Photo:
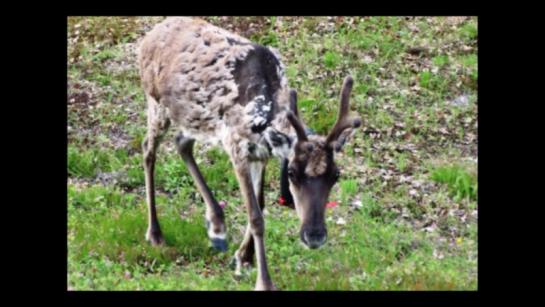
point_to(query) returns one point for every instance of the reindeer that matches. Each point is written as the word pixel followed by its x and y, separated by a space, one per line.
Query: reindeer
pixel 220 88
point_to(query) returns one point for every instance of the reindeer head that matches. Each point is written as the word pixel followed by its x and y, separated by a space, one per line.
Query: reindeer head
pixel 311 170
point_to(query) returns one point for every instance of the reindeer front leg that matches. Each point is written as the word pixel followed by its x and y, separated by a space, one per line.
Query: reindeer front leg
pixel 256 222
pixel 245 254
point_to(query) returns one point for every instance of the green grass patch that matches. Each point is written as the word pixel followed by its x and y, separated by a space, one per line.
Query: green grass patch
pixel 349 188
pixel 105 222
pixel 331 59
pixel 440 60
pixel 88 162
pixel 460 182
pixel 469 31
pixel 401 162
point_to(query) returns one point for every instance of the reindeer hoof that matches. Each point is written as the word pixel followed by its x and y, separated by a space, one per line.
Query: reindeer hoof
pixel 155 238
pixel 261 286
pixel 238 263
pixel 218 241
pixel 233 263
pixel 219 244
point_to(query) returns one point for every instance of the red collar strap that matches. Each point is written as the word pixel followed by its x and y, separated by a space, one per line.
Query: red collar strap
pixel 330 204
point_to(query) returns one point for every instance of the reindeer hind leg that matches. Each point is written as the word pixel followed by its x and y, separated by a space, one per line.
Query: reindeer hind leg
pixel 158 124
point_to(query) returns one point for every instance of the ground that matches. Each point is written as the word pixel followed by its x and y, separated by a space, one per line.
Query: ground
pixel 406 217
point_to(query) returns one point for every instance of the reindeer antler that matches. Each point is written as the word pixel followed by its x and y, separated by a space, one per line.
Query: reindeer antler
pixel 343 121
pixel 294 118
pixel 299 129
pixel 296 122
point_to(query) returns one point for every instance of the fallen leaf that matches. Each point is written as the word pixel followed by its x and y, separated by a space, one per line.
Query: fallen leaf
pixel 331 204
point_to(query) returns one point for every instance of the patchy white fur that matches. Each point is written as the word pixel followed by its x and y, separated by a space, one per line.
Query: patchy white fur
pixel 258 120
pixel 256 170
pixel 187 65
pixel 213 235
pixel 282 151
pixel 261 152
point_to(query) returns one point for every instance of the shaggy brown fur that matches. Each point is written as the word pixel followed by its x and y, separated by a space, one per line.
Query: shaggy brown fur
pixel 199 92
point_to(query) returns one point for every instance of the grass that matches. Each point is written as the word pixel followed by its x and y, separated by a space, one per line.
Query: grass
pixel 349 188
pixel 409 222
pixel 110 241
pixel 460 183
pixel 331 59
pixel 440 60
pixel 89 162
pixel 402 162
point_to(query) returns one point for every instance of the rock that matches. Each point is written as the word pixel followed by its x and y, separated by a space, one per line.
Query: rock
pixel 460 101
